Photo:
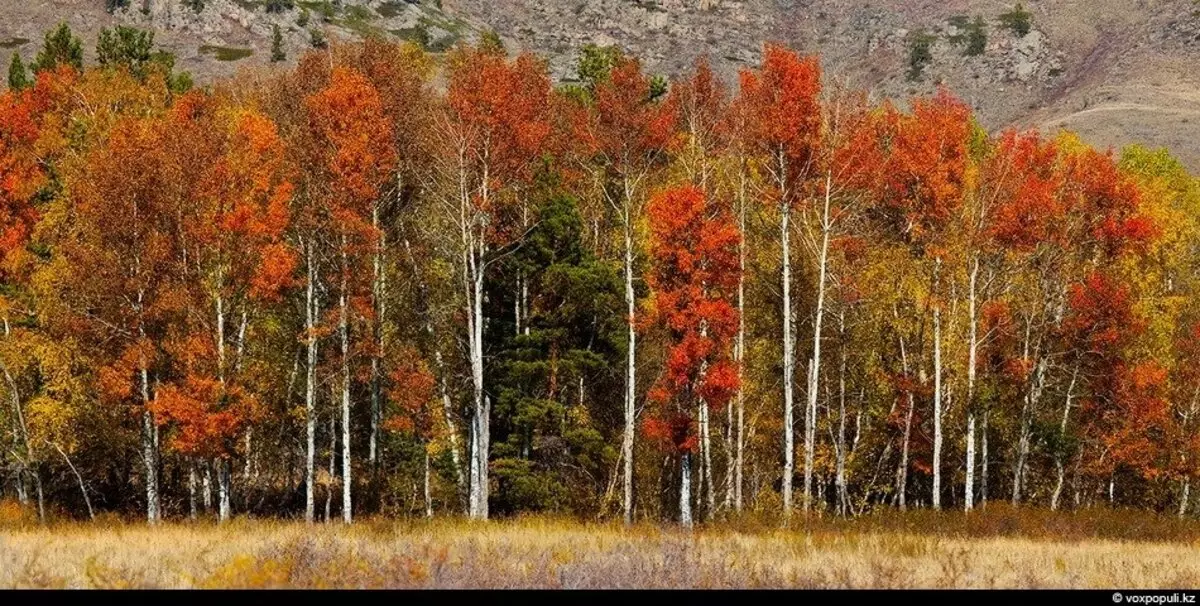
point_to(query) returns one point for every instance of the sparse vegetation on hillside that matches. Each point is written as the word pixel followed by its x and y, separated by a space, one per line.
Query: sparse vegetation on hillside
pixel 225 53
pixel 1018 21
pixel 920 53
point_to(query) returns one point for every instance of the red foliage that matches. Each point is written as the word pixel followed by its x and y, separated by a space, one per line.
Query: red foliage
pixel 695 264
pixel 625 128
pixel 410 393
pixel 781 110
pixel 1108 203
pixel 1025 197
pixel 924 173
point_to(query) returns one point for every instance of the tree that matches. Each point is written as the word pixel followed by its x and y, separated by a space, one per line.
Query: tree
pixel 60 47
pixel 783 122
pixel 923 186
pixel 347 118
pixel 702 104
pixel 18 78
pixel 623 136
pixel 693 244
pixel 493 127
pixel 233 235
pixel 277 53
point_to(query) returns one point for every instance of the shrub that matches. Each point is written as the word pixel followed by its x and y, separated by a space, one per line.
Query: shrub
pixel 976 38
pixel 317 37
pixel 1018 20
pixel 919 53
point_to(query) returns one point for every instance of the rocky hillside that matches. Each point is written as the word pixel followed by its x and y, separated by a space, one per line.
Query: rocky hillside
pixel 1115 70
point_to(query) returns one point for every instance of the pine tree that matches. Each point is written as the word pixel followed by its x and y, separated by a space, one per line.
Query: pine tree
pixel 60 47
pixel 277 53
pixel 18 78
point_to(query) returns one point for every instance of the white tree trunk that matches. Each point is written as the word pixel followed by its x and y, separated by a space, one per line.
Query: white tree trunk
pixel 685 490
pixel 972 349
pixel 710 500
pixel 310 396
pixel 983 459
pixel 843 494
pixel 814 374
pixel 344 328
pixel 192 490
pixel 480 420
pixel 223 488
pixel 428 495
pixel 149 452
pixel 789 363
pixel 937 395
pixel 630 377
pixel 740 351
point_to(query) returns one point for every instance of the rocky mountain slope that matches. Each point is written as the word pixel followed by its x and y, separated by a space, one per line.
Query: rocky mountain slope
pixel 1117 71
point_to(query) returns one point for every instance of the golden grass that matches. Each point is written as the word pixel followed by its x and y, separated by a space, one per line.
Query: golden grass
pixel 904 550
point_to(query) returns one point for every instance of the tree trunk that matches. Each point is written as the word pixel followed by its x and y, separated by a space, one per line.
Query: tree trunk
pixel 843 495
pixel 149 455
pixel 224 471
pixel 310 397
pixel 88 501
pixel 937 392
pixel 972 352
pixel 332 468
pixel 740 351
pixel 344 329
pixel 902 469
pixel 814 374
pixel 789 362
pixel 983 460
pixel 192 489
pixel 1062 432
pixel 480 421
pixel 378 294
pixel 206 487
pixel 428 495
pixel 685 490
pixel 630 377
pixel 710 500
pixel 1185 496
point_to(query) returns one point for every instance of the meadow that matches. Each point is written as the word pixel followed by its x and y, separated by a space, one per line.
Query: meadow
pixel 999 547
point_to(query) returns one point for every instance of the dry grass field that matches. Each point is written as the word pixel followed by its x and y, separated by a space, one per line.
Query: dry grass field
pixel 1002 548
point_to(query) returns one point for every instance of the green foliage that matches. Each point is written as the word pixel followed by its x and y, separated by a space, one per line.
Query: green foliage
pixel 317 38
pixel 112 5
pixel 126 47
pixel 60 47
pixel 279 6
pixel 490 42
pixel 549 435
pixel 1018 20
pixel 595 63
pixel 180 82
pixel 658 87
pixel 973 35
pixel 277 53
pixel 225 53
pixel 919 53
pixel 302 20
pixel 18 76
pixel 418 35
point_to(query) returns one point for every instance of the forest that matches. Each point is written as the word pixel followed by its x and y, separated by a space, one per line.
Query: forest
pixel 385 282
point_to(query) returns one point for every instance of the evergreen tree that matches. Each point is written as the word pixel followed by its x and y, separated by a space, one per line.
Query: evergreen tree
pixel 277 53
pixel 18 78
pixel 558 404
pixel 60 47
